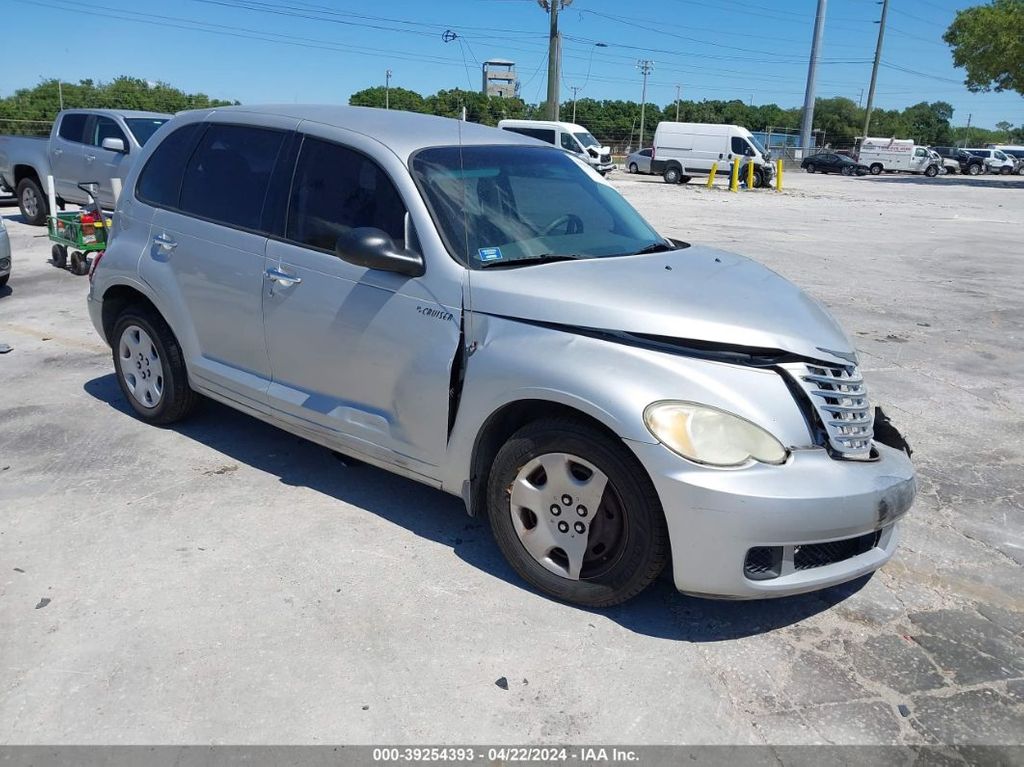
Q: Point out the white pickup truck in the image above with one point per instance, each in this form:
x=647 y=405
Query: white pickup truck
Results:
x=84 y=145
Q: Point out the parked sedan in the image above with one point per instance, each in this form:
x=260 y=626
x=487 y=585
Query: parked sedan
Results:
x=639 y=161
x=831 y=162
x=5 y=255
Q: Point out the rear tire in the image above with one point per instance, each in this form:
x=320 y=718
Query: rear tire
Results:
x=150 y=367
x=31 y=202
x=672 y=175
x=876 y=169
x=609 y=517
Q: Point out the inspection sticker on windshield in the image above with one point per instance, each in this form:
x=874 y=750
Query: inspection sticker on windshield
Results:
x=489 y=254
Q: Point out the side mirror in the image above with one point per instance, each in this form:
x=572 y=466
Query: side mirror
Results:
x=374 y=249
x=114 y=145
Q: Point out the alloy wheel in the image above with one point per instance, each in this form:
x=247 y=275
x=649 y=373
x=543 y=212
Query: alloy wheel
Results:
x=141 y=367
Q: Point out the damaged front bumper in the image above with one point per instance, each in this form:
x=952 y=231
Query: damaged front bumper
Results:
x=770 y=531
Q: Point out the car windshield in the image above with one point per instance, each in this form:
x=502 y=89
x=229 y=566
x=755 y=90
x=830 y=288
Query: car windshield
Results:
x=587 y=140
x=757 y=145
x=143 y=128
x=501 y=204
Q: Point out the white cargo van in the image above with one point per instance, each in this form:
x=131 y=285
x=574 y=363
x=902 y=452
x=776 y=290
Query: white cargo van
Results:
x=892 y=154
x=684 y=149
x=569 y=136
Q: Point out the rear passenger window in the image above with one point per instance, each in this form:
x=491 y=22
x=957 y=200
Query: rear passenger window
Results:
x=72 y=127
x=160 y=181
x=227 y=178
x=337 y=189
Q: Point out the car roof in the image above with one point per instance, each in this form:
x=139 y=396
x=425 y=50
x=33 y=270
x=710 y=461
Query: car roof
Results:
x=119 y=113
x=402 y=132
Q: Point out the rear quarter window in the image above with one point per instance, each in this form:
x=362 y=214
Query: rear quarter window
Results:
x=159 y=182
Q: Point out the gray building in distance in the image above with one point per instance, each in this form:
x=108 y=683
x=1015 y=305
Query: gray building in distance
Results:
x=499 y=78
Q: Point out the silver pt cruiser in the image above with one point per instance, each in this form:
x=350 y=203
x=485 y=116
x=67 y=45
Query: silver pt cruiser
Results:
x=484 y=314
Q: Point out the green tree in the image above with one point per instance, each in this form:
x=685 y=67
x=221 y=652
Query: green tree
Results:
x=27 y=110
x=1005 y=127
x=398 y=98
x=988 y=42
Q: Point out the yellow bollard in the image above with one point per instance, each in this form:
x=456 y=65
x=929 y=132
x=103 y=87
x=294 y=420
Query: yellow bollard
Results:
x=734 y=180
x=711 y=175
x=750 y=175
x=778 y=175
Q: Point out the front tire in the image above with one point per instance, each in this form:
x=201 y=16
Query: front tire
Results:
x=931 y=171
x=973 y=170
x=150 y=367
x=31 y=202
x=575 y=514
x=672 y=175
x=633 y=169
x=810 y=167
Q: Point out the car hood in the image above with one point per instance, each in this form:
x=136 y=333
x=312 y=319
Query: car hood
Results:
x=694 y=293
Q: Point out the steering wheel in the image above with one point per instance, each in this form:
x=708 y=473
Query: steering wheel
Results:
x=573 y=224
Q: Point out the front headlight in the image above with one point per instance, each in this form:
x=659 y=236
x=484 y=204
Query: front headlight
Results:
x=708 y=435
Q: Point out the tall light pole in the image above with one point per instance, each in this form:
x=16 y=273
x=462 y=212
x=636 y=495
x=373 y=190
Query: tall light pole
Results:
x=874 y=69
x=554 y=53
x=646 y=66
x=812 y=73
x=678 y=86
x=387 y=89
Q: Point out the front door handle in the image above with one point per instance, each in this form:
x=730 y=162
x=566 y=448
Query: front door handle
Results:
x=90 y=157
x=58 y=152
x=281 y=278
x=165 y=242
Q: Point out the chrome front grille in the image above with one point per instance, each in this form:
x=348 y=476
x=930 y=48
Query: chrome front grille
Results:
x=839 y=396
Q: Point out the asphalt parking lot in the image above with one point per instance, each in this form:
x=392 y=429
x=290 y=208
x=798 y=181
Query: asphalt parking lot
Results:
x=225 y=582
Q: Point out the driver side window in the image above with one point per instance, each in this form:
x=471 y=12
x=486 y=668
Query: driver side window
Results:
x=569 y=143
x=741 y=147
x=337 y=189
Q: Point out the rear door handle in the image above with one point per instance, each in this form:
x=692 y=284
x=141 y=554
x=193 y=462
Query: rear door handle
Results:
x=281 y=278
x=165 y=242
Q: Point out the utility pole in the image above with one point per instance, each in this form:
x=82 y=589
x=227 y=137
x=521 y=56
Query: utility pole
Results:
x=860 y=99
x=646 y=66
x=575 y=89
x=554 y=54
x=812 y=72
x=967 y=131
x=387 y=89
x=874 y=69
x=677 y=102
x=60 y=95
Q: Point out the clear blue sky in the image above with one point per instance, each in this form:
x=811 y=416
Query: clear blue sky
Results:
x=323 y=50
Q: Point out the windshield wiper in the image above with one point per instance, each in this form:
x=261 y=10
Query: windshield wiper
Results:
x=655 y=247
x=543 y=258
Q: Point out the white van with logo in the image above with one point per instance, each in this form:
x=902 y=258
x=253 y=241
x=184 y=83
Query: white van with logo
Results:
x=684 y=149
x=892 y=154
x=569 y=136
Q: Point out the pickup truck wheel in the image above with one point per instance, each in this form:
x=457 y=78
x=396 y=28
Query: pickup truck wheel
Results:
x=31 y=202
x=151 y=367
x=876 y=169
x=931 y=171
x=575 y=515
x=973 y=170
